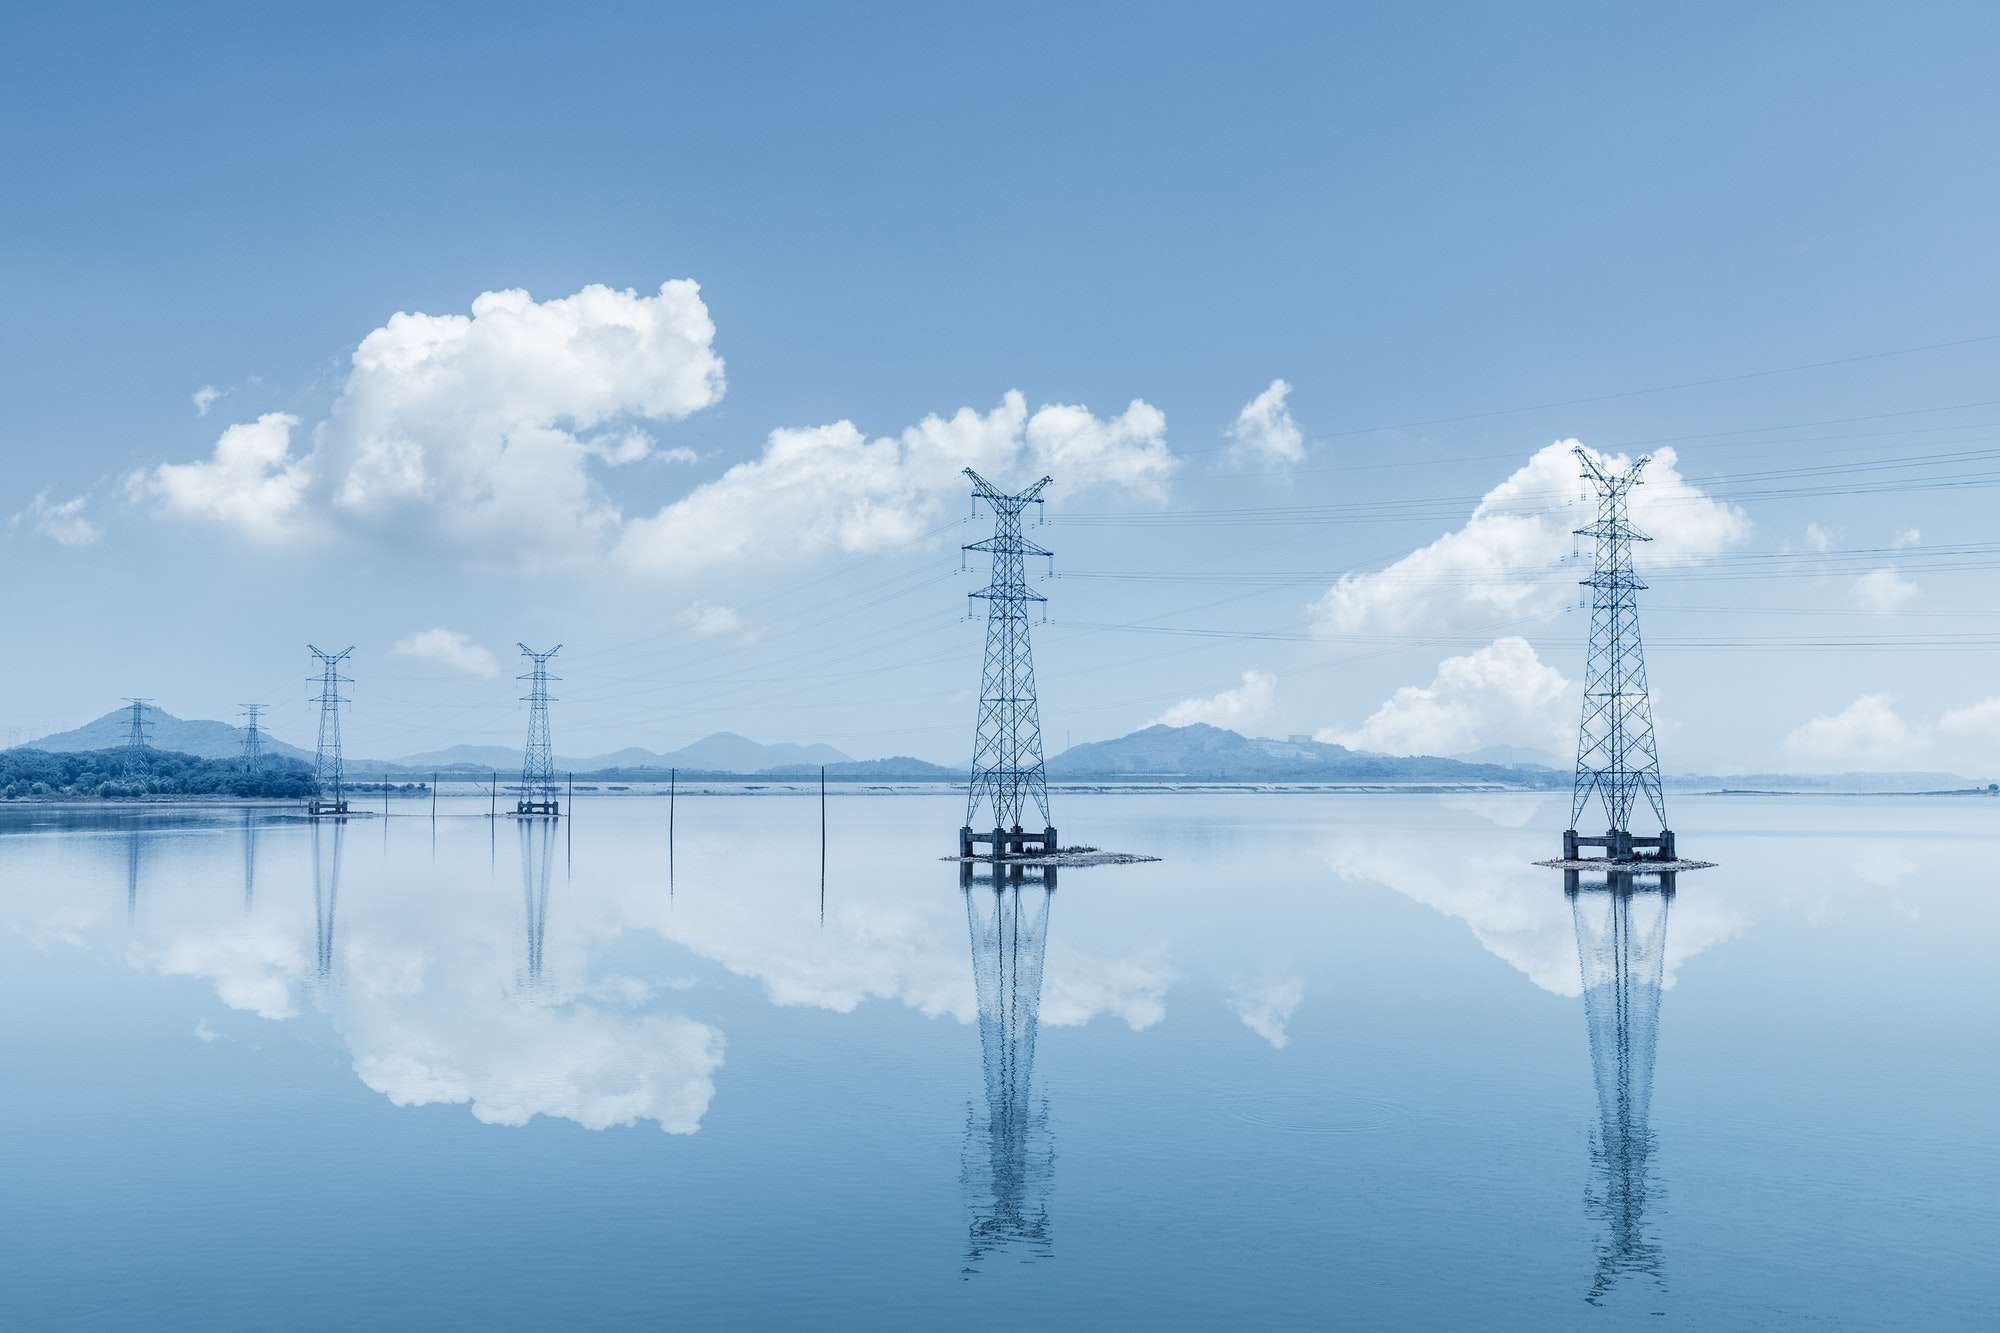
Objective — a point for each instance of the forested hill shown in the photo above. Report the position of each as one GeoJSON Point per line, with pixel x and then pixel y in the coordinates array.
{"type": "Point", "coordinates": [128, 775]}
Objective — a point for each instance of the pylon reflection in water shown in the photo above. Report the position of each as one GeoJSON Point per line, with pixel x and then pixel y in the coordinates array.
{"type": "Point", "coordinates": [538, 853]}
{"type": "Point", "coordinates": [1009, 1158]}
{"type": "Point", "coordinates": [327, 838]}
{"type": "Point", "coordinates": [1621, 945]}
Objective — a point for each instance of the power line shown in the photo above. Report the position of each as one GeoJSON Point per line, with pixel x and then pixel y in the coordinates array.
{"type": "Point", "coordinates": [1738, 378]}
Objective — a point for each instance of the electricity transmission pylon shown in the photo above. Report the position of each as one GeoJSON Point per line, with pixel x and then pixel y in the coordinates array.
{"type": "Point", "coordinates": [329, 773]}
{"type": "Point", "coordinates": [1007, 772]}
{"type": "Point", "coordinates": [137, 735]}
{"type": "Point", "coordinates": [1617, 759]}
{"type": "Point", "coordinates": [253, 735]}
{"type": "Point", "coordinates": [538, 765]}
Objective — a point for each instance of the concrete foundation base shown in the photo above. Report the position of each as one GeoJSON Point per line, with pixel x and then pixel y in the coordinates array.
{"type": "Point", "coordinates": [1007, 842]}
{"type": "Point", "coordinates": [1620, 845]}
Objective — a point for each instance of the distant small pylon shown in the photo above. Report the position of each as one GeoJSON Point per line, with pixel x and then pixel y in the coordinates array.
{"type": "Point", "coordinates": [138, 735]}
{"type": "Point", "coordinates": [253, 736]}
{"type": "Point", "coordinates": [138, 739]}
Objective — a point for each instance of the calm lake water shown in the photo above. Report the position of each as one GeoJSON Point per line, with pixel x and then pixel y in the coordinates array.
{"type": "Point", "coordinates": [1338, 1060]}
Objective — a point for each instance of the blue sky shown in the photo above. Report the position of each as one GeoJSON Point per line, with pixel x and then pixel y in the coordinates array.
{"type": "Point", "coordinates": [1774, 226]}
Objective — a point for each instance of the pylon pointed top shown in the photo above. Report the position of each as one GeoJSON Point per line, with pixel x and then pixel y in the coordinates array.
{"type": "Point", "coordinates": [986, 490]}
{"type": "Point", "coordinates": [1594, 470]}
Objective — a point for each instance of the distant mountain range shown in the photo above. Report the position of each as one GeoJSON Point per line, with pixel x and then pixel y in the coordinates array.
{"type": "Point", "coordinates": [204, 740]}
{"type": "Point", "coordinates": [1157, 753]}
{"type": "Point", "coordinates": [724, 752]}
{"type": "Point", "coordinates": [1518, 756]}
{"type": "Point", "coordinates": [1217, 754]}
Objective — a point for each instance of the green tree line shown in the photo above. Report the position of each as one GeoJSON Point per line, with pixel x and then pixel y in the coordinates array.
{"type": "Point", "coordinates": [124, 774]}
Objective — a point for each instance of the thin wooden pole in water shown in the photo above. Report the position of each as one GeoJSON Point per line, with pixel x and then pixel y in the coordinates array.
{"type": "Point", "coordinates": [673, 787]}
{"type": "Point", "coordinates": [434, 796]}
{"type": "Point", "coordinates": [822, 844]}
{"type": "Point", "coordinates": [493, 797]}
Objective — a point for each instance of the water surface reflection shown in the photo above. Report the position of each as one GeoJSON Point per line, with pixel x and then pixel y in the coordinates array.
{"type": "Point", "coordinates": [538, 854]}
{"type": "Point", "coordinates": [327, 837]}
{"type": "Point", "coordinates": [1621, 946]}
{"type": "Point", "coordinates": [1009, 1158]}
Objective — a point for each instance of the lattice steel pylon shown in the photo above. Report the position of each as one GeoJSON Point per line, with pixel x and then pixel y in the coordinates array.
{"type": "Point", "coordinates": [1007, 772]}
{"type": "Point", "coordinates": [1617, 758]}
{"type": "Point", "coordinates": [538, 765]}
{"type": "Point", "coordinates": [137, 734]}
{"type": "Point", "coordinates": [329, 773]}
{"type": "Point", "coordinates": [137, 738]}
{"type": "Point", "coordinates": [253, 735]}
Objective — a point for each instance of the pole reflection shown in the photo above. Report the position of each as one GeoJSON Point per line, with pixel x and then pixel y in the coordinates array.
{"type": "Point", "coordinates": [133, 838]}
{"type": "Point", "coordinates": [1621, 945]}
{"type": "Point", "coordinates": [1008, 1161]}
{"type": "Point", "coordinates": [249, 861]}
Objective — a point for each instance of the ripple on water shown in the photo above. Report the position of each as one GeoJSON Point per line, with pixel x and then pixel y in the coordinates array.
{"type": "Point", "coordinates": [1317, 1114]}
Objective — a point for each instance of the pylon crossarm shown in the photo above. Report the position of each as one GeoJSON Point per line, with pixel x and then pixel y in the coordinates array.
{"type": "Point", "coordinates": [1007, 595]}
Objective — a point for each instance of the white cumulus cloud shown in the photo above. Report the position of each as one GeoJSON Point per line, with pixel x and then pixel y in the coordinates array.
{"type": "Point", "coordinates": [831, 488]}
{"type": "Point", "coordinates": [1883, 589]}
{"type": "Point", "coordinates": [449, 648]}
{"type": "Point", "coordinates": [1241, 706]}
{"type": "Point", "coordinates": [575, 1062]}
{"type": "Point", "coordinates": [478, 430]}
{"type": "Point", "coordinates": [1501, 694]}
{"type": "Point", "coordinates": [1267, 1008]}
{"type": "Point", "coordinates": [707, 622]}
{"type": "Point", "coordinates": [1868, 733]}
{"type": "Point", "coordinates": [1264, 430]}
{"type": "Point", "coordinates": [252, 482]}
{"type": "Point", "coordinates": [1503, 563]}
{"type": "Point", "coordinates": [492, 435]}
{"type": "Point", "coordinates": [486, 420]}
{"type": "Point", "coordinates": [204, 398]}
{"type": "Point", "coordinates": [61, 521]}
{"type": "Point", "coordinates": [1979, 719]}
